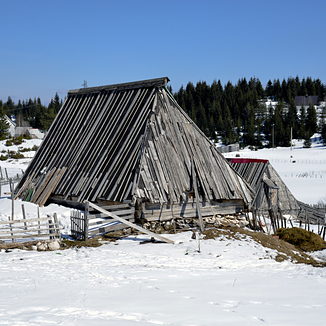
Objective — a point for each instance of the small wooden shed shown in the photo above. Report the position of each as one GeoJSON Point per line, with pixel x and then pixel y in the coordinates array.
{"type": "Point", "coordinates": [270, 190]}
{"type": "Point", "coordinates": [132, 143]}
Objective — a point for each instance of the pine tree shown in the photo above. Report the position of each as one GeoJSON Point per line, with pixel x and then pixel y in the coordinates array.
{"type": "Point", "coordinates": [228, 136]}
{"type": "Point", "coordinates": [323, 134]}
{"type": "Point", "coordinates": [292, 118]}
{"type": "Point", "coordinates": [202, 119]}
{"type": "Point", "coordinates": [277, 89]}
{"type": "Point", "coordinates": [4, 126]}
{"type": "Point", "coordinates": [57, 104]}
{"type": "Point", "coordinates": [284, 91]}
{"type": "Point", "coordinates": [249, 126]}
{"type": "Point", "coordinates": [269, 91]}
{"type": "Point", "coordinates": [281, 134]}
{"type": "Point", "coordinates": [303, 89]}
{"type": "Point", "coordinates": [302, 121]}
{"type": "Point", "coordinates": [311, 122]}
{"type": "Point", "coordinates": [311, 90]}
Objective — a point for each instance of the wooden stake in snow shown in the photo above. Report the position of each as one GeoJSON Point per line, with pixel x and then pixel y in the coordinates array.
{"type": "Point", "coordinates": [12, 200]}
{"type": "Point", "coordinates": [122, 220]}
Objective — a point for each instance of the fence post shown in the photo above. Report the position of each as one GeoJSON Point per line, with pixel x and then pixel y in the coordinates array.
{"type": "Point", "coordinates": [86, 221]}
{"type": "Point", "coordinates": [12, 235]}
{"type": "Point", "coordinates": [56, 223]}
{"type": "Point", "coordinates": [24, 216]}
{"type": "Point", "coordinates": [51, 226]}
{"type": "Point", "coordinates": [6, 174]}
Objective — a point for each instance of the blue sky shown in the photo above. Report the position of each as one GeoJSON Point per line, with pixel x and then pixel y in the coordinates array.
{"type": "Point", "coordinates": [53, 46]}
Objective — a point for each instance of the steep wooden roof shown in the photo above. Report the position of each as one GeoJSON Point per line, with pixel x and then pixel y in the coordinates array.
{"type": "Point", "coordinates": [256, 171]}
{"type": "Point", "coordinates": [119, 142]}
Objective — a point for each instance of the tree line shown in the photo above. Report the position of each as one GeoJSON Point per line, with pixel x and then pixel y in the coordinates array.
{"type": "Point", "coordinates": [237, 113]}
{"type": "Point", "coordinates": [29, 113]}
{"type": "Point", "coordinates": [234, 113]}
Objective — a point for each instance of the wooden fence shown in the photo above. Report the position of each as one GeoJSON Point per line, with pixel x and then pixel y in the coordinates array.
{"type": "Point", "coordinates": [88, 224]}
{"type": "Point", "coordinates": [23, 230]}
{"type": "Point", "coordinates": [11, 177]}
{"type": "Point", "coordinates": [312, 215]}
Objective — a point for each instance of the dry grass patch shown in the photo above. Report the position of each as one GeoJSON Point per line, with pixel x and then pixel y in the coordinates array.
{"type": "Point", "coordinates": [302, 239]}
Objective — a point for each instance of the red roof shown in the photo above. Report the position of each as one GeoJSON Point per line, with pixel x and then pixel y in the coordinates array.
{"type": "Point", "coordinates": [248, 160]}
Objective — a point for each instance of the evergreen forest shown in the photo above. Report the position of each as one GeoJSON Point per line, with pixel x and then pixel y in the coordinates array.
{"type": "Point", "coordinates": [29, 113]}
{"type": "Point", "coordinates": [238, 113]}
{"type": "Point", "coordinates": [230, 113]}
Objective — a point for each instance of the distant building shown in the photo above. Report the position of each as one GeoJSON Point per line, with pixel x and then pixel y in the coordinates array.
{"type": "Point", "coordinates": [305, 101]}
{"type": "Point", "coordinates": [12, 126]}
{"type": "Point", "coordinates": [228, 148]}
{"type": "Point", "coordinates": [33, 132]}
{"type": "Point", "coordinates": [270, 102]}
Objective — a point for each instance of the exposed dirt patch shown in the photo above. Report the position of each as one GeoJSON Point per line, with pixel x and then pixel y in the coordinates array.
{"type": "Point", "coordinates": [286, 251]}
{"type": "Point", "coordinates": [93, 242]}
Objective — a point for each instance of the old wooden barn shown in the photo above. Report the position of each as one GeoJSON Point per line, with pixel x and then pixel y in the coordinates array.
{"type": "Point", "coordinates": [131, 144]}
{"type": "Point", "coordinates": [272, 196]}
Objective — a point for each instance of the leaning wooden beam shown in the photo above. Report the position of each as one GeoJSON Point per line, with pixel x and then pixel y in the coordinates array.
{"type": "Point", "coordinates": [120, 219]}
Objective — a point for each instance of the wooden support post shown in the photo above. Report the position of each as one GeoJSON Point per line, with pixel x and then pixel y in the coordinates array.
{"type": "Point", "coordinates": [171, 203]}
{"type": "Point", "coordinates": [273, 222]}
{"type": "Point", "coordinates": [12, 201]}
{"type": "Point", "coordinates": [268, 231]}
{"type": "Point", "coordinates": [254, 220]}
{"type": "Point", "coordinates": [24, 216]}
{"type": "Point", "coordinates": [276, 220]}
{"type": "Point", "coordinates": [122, 220]}
{"type": "Point", "coordinates": [281, 220]}
{"type": "Point", "coordinates": [39, 223]}
{"type": "Point", "coordinates": [308, 221]}
{"type": "Point", "coordinates": [258, 219]}
{"type": "Point", "coordinates": [194, 180]}
{"type": "Point", "coordinates": [248, 220]}
{"type": "Point", "coordinates": [324, 232]}
{"type": "Point", "coordinates": [86, 221]}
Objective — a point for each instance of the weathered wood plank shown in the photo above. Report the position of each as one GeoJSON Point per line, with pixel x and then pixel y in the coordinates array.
{"type": "Point", "coordinates": [131, 224]}
{"type": "Point", "coordinates": [25, 221]}
{"type": "Point", "coordinates": [31, 236]}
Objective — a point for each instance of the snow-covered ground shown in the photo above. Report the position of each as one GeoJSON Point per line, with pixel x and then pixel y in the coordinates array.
{"type": "Point", "coordinates": [229, 282]}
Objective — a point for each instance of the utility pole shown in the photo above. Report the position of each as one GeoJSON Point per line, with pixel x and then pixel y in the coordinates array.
{"type": "Point", "coordinates": [273, 136]}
